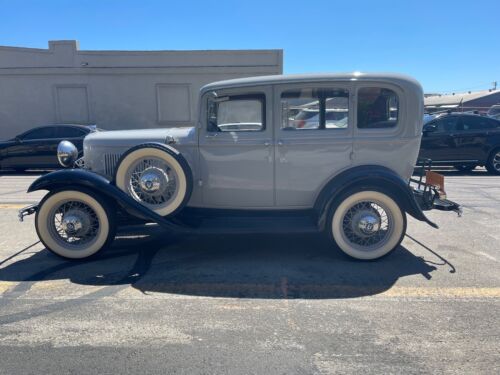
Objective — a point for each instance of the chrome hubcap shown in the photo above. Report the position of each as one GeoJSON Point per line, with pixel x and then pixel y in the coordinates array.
{"type": "Point", "coordinates": [152, 179]}
{"type": "Point", "coordinates": [367, 225]}
{"type": "Point", "coordinates": [75, 223]}
{"type": "Point", "coordinates": [72, 224]}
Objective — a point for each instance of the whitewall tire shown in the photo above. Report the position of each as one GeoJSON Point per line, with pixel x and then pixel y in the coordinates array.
{"type": "Point", "coordinates": [158, 178]}
{"type": "Point", "coordinates": [74, 224]}
{"type": "Point", "coordinates": [367, 224]}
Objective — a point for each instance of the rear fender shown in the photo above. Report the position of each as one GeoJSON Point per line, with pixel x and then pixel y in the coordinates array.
{"type": "Point", "coordinates": [98, 184]}
{"type": "Point", "coordinates": [368, 177]}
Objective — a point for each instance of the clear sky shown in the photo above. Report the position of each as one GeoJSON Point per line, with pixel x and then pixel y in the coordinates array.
{"type": "Point", "coordinates": [447, 45]}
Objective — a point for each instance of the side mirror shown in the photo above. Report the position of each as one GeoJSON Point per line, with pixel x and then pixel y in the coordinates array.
{"type": "Point", "coordinates": [67, 153]}
{"type": "Point", "coordinates": [17, 140]}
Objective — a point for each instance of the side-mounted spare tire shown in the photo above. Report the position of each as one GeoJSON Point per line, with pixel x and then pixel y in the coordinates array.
{"type": "Point", "coordinates": [156, 175]}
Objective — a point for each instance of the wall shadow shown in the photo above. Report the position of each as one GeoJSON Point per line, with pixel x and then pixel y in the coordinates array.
{"type": "Point", "coordinates": [29, 172]}
{"type": "Point", "coordinates": [238, 266]}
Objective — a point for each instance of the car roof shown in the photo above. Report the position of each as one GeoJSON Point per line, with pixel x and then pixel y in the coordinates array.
{"type": "Point", "coordinates": [398, 79]}
{"type": "Point", "coordinates": [438, 117]}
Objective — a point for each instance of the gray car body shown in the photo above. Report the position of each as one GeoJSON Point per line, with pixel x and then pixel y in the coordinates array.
{"type": "Point", "coordinates": [277, 168]}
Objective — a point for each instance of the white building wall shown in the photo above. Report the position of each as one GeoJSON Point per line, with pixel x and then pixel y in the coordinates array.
{"type": "Point", "coordinates": [114, 89]}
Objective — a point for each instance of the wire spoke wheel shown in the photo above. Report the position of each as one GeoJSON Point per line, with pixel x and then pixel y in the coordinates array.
{"type": "Point", "coordinates": [155, 177]}
{"type": "Point", "coordinates": [75, 224]}
{"type": "Point", "coordinates": [152, 181]}
{"type": "Point", "coordinates": [367, 224]}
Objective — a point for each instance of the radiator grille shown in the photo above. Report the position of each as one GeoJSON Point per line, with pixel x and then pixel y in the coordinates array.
{"type": "Point", "coordinates": [110, 161]}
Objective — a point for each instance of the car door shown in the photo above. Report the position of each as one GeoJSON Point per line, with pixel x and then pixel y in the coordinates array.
{"type": "Point", "coordinates": [236, 153]}
{"type": "Point", "coordinates": [471, 136]}
{"type": "Point", "coordinates": [34, 149]}
{"type": "Point", "coordinates": [313, 140]}
{"type": "Point", "coordinates": [437, 140]}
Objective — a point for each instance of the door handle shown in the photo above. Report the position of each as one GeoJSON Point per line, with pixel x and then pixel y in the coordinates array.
{"type": "Point", "coordinates": [211, 135]}
{"type": "Point", "coordinates": [280, 143]}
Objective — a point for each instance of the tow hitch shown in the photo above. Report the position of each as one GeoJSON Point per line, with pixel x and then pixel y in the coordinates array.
{"type": "Point", "coordinates": [26, 211]}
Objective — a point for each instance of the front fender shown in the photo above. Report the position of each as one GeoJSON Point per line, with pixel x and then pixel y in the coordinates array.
{"type": "Point", "coordinates": [365, 177]}
{"type": "Point", "coordinates": [71, 178]}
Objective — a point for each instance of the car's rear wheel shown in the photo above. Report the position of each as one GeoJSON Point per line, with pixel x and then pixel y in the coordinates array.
{"type": "Point", "coordinates": [493, 163]}
{"type": "Point", "coordinates": [465, 167]}
{"type": "Point", "coordinates": [367, 224]}
{"type": "Point", "coordinates": [75, 224]}
{"type": "Point", "coordinates": [157, 177]}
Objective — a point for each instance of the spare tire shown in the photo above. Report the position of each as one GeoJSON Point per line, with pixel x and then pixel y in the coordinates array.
{"type": "Point", "coordinates": [156, 175]}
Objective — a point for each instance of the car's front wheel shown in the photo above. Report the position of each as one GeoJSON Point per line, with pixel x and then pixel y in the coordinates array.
{"type": "Point", "coordinates": [367, 224]}
{"type": "Point", "coordinates": [74, 224]}
{"type": "Point", "coordinates": [493, 163]}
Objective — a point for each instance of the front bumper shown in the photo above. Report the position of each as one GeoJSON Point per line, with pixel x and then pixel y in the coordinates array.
{"type": "Point", "coordinates": [26, 211]}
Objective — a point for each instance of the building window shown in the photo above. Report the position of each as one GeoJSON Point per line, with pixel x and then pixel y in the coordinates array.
{"type": "Point", "coordinates": [378, 108]}
{"type": "Point", "coordinates": [173, 103]}
{"type": "Point", "coordinates": [315, 108]}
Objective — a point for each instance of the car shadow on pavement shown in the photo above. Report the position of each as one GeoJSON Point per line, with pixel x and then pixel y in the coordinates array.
{"type": "Point", "coordinates": [238, 266]}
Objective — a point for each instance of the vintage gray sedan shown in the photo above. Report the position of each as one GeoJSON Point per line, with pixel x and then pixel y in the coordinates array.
{"type": "Point", "coordinates": [329, 153]}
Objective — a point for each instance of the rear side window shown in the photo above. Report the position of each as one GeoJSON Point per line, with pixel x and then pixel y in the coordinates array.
{"type": "Point", "coordinates": [313, 108]}
{"type": "Point", "coordinates": [68, 132]}
{"type": "Point", "coordinates": [41, 133]}
{"type": "Point", "coordinates": [378, 108]}
{"type": "Point", "coordinates": [236, 113]}
{"type": "Point", "coordinates": [468, 123]}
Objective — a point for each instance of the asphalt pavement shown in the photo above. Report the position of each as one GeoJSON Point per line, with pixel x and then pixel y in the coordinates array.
{"type": "Point", "coordinates": [255, 304]}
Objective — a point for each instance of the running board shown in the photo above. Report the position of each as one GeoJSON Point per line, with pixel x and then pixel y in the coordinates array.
{"type": "Point", "coordinates": [257, 224]}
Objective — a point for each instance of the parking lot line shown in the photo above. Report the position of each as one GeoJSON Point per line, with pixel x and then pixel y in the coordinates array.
{"type": "Point", "coordinates": [12, 206]}
{"type": "Point", "coordinates": [195, 289]}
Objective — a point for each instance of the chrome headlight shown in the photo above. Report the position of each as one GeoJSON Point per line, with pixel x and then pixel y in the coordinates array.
{"type": "Point", "coordinates": [67, 153]}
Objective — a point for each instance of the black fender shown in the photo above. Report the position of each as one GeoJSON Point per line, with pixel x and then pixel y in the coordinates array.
{"type": "Point", "coordinates": [74, 178]}
{"type": "Point", "coordinates": [365, 177]}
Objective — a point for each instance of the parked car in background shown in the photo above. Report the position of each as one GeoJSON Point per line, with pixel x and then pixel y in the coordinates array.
{"type": "Point", "coordinates": [37, 148]}
{"type": "Point", "coordinates": [494, 111]}
{"type": "Point", "coordinates": [464, 141]}
{"type": "Point", "coordinates": [246, 168]}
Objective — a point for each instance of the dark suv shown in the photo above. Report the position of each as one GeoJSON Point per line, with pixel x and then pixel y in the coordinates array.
{"type": "Point", "coordinates": [463, 141]}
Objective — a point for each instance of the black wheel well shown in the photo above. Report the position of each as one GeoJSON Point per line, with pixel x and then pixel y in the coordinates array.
{"type": "Point", "coordinates": [363, 178]}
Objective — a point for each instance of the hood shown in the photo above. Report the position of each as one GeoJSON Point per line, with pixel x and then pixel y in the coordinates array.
{"type": "Point", "coordinates": [119, 138]}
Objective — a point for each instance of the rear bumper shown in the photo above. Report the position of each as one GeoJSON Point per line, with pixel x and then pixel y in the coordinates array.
{"type": "Point", "coordinates": [431, 200]}
{"type": "Point", "coordinates": [428, 190]}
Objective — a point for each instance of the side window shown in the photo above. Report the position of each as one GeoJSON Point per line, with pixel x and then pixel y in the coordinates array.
{"type": "Point", "coordinates": [68, 132]}
{"type": "Point", "coordinates": [378, 108]}
{"type": "Point", "coordinates": [471, 123]}
{"type": "Point", "coordinates": [41, 133]}
{"type": "Point", "coordinates": [236, 113]}
{"type": "Point", "coordinates": [314, 109]}
{"type": "Point", "coordinates": [446, 125]}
